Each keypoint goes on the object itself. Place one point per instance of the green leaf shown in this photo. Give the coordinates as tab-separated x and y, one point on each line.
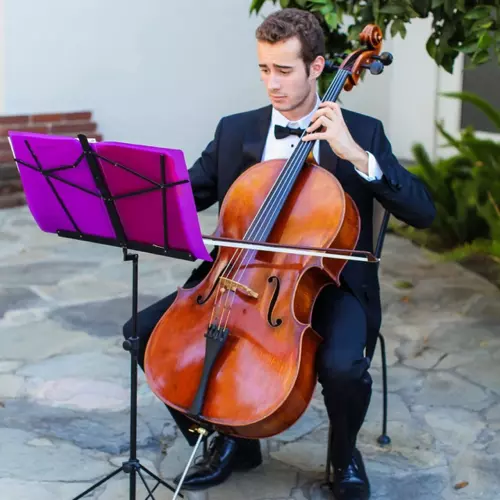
481	24
326	9
354	31
393	9
460	4
468	48
332	20
398	26
284	3
484	41
478	12
482	152
315	8
436	3
441	49
447	32
431	46
256	5
449	5
428	172
481	57
366	14
476	247
448	60
451	140
479	102
421	7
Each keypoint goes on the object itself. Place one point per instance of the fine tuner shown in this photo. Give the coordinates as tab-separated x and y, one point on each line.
376	67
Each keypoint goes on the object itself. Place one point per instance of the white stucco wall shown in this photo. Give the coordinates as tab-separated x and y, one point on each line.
163	73
2	52
154	71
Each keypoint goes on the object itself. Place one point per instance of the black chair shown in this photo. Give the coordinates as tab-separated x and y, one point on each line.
380	223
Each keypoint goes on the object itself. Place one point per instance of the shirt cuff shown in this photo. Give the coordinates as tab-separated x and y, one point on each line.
374	171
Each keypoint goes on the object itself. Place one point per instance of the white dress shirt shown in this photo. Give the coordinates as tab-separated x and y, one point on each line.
283	148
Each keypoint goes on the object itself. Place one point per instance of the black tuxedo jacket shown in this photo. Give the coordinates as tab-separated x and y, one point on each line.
239	143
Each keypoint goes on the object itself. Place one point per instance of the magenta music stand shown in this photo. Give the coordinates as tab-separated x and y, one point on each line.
123	195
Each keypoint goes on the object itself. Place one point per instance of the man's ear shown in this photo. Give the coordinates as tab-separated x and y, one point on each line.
317	67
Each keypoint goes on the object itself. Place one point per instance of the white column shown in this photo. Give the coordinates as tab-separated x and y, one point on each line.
449	110
412	99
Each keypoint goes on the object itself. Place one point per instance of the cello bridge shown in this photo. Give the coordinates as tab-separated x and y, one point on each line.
232	285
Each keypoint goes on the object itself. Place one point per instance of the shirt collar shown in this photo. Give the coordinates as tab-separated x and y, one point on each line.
279	119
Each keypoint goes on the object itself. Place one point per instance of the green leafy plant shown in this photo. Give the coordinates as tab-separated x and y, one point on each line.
468	26
465	188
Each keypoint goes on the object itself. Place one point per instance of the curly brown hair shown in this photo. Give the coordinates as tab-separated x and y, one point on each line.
287	23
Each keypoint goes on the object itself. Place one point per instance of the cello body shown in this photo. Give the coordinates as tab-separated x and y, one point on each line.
237	352
263	377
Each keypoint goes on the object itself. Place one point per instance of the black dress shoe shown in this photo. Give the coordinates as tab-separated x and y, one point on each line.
351	483
224	456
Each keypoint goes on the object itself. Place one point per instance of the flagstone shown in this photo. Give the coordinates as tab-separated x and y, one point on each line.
65	380
16	298
57	462
39	273
103	318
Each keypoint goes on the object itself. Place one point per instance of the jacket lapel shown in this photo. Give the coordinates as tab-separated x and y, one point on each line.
327	158
255	138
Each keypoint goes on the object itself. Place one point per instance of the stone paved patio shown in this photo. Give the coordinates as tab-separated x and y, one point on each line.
64	380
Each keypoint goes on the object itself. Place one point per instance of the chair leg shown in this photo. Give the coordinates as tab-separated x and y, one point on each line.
328	467
384	439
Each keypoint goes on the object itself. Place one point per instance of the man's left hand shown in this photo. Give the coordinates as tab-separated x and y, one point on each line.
335	131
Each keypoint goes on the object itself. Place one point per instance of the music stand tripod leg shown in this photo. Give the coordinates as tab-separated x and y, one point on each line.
99	483
132	466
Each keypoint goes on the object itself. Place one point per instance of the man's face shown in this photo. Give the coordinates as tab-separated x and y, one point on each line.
284	73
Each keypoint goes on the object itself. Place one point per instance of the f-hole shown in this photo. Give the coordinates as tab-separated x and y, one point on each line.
273	302
200	300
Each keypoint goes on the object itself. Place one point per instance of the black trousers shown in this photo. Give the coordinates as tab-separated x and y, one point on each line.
342	367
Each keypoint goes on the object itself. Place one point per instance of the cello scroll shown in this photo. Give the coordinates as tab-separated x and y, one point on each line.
367	58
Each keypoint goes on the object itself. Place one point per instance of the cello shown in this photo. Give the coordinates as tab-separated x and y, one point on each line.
236	353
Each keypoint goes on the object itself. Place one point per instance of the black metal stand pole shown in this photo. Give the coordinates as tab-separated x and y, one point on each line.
132	466
132	345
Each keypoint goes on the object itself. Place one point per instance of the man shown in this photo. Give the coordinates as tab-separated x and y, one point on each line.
290	47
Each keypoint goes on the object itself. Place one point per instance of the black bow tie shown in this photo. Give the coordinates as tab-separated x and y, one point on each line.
282	132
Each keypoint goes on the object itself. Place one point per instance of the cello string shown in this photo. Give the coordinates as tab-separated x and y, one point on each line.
299	161
283	184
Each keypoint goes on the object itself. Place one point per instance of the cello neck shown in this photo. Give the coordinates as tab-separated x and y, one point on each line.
267	215
336	86
299	156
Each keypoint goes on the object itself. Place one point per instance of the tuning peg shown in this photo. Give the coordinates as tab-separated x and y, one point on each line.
330	66
385	58
376	67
